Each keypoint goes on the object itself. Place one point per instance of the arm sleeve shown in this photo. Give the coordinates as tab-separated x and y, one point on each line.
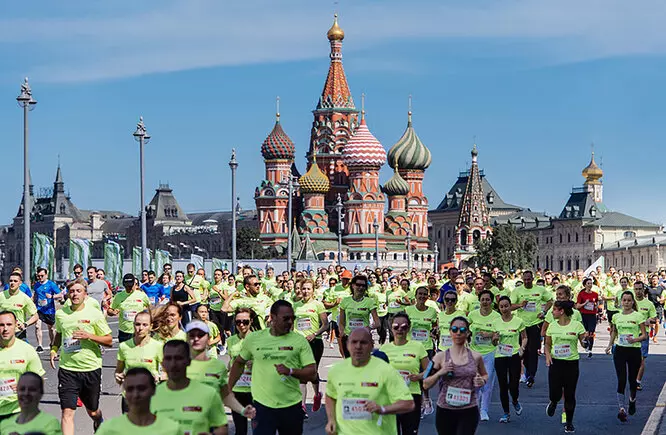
121	352
114	303
216	415
330	384
246	349
35	364
396	387
56	289
514	297
100	326
29	308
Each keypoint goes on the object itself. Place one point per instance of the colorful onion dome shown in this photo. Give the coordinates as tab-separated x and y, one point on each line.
335	33
592	172
314	181
409	152
278	145
363	149
396	186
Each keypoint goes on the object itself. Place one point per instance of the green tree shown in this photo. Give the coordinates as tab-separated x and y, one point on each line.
507	249
248	245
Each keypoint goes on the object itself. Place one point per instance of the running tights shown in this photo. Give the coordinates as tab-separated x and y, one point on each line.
240	421
590	325
531	355
408	424
383	328
508	378
627	359
457	421
562	380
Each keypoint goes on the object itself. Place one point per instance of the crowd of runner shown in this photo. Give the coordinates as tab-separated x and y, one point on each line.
399	334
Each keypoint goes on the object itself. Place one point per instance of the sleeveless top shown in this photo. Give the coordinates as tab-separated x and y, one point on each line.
179	295
459	391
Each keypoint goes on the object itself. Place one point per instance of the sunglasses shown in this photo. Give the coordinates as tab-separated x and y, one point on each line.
243	322
459	283
447	300
456	329
402	327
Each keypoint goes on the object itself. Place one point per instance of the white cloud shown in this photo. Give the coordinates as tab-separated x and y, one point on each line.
180	35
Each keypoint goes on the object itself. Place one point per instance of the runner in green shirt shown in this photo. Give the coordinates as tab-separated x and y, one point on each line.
254	300
218	294
445	317
356	310
30	420
381	296
649	312
242	389
126	305
14	300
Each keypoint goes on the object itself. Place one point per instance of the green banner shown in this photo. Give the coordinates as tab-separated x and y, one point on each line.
161	258
79	253
220	264
113	263
136	262
43	253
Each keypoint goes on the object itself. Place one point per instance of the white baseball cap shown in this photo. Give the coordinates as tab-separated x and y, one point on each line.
197	324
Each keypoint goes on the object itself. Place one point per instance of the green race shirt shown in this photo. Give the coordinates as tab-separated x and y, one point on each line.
214	333
444	322
196	284
215	298
307	317
196	408
265	350
406	359
382	303
80	355
19	303
212	373
479	323
646	308
357	313
565	340
471	302
509	332
393	299
129	305
148	356
611	291
180	335
122	426
43	423
261	305
628	325
331	295
422	323
15	360
234	346
576	316
352	387
536	297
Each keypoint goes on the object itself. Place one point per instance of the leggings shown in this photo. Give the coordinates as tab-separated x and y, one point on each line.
562	380
590	325
508	378
531	355
627	359
220	318
457	421
240	421
383	328
408	424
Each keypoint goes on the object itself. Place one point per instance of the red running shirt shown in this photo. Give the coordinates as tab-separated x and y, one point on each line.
590	300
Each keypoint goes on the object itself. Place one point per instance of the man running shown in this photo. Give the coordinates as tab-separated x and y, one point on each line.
282	359
20	304
46	292
97	288
127	305
153	289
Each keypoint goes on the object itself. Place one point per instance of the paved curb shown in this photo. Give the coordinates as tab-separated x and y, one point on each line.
653	422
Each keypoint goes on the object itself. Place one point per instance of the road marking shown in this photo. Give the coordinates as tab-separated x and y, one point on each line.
652	424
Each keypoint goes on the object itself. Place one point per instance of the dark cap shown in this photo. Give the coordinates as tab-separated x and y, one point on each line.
128	279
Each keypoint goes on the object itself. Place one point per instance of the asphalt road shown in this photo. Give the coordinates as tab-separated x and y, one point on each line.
595	410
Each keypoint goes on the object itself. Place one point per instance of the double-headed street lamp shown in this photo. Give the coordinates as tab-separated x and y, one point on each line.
338	208
375	225
141	135
233	164
26	102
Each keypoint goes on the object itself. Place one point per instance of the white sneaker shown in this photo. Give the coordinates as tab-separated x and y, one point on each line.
523	378
484	415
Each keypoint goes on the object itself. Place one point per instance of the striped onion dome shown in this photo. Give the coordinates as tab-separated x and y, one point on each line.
278	145
409	152
363	149
314	181
396	186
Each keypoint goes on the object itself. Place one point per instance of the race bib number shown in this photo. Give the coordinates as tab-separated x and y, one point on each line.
6	386
71	345
382	307
245	380
562	350
305	324
623	339
446	341
394	304
214	300
589	306
129	315
480	340
531	307
458	396
405	375
354	409
505	349
356	323
153	300
42	302
419	335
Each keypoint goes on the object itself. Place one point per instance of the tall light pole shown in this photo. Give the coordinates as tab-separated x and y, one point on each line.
26	102
375	225
409	251
293	184
436	257
233	164
338	208
142	136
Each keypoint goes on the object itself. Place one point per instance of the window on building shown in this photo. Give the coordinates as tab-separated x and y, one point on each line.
569	264
577	264
589	262
651	259
463	237
576	237
568	237
561	264
560	238
629	234
537	262
589	238
641	259
547	263
448	233
537	240
439	234
395	256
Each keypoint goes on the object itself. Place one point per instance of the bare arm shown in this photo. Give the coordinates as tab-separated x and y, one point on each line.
343	322
331	426
375	318
323	320
236	371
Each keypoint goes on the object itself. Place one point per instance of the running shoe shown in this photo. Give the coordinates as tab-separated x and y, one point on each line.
504	419
316	402
39	349
589	354
305	412
550	409
523	378
530	382
79	404
639	386
222	349
518	407
484	415
427	407
622	415
632	407
569	428
97	424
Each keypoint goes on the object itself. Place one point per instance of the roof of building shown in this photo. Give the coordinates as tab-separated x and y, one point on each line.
363	148
314	180
118	225
524	219
336	94
165	207
409	152
200	218
614	219
635	242
277	144
581	205
396	185
453	199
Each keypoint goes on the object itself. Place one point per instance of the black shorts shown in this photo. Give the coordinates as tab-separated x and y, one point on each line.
84	385
49	319
317	346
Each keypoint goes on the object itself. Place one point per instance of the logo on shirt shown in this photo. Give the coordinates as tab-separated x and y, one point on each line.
18	305
571	333
147	360
16	361
86	321
370	384
409	355
286	348
192	409
213	375
362	309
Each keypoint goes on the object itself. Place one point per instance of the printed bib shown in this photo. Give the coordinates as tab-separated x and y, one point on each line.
458	396
622	340
214	300
419	335
405	375
562	350
153	300
356	323
304	324
394	304
480	340
354	409
589	306
382	307
42	302
505	349
6	386
71	345
446	341
531	307
245	380
129	315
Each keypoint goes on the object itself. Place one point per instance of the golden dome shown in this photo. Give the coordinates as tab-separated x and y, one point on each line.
335	33
314	181
592	172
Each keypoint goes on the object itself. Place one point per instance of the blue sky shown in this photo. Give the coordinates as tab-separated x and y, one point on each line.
536	82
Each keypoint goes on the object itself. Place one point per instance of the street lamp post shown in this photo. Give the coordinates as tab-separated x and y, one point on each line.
338	208
26	102
293	184
375	225
142	136
436	257
409	251
233	164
